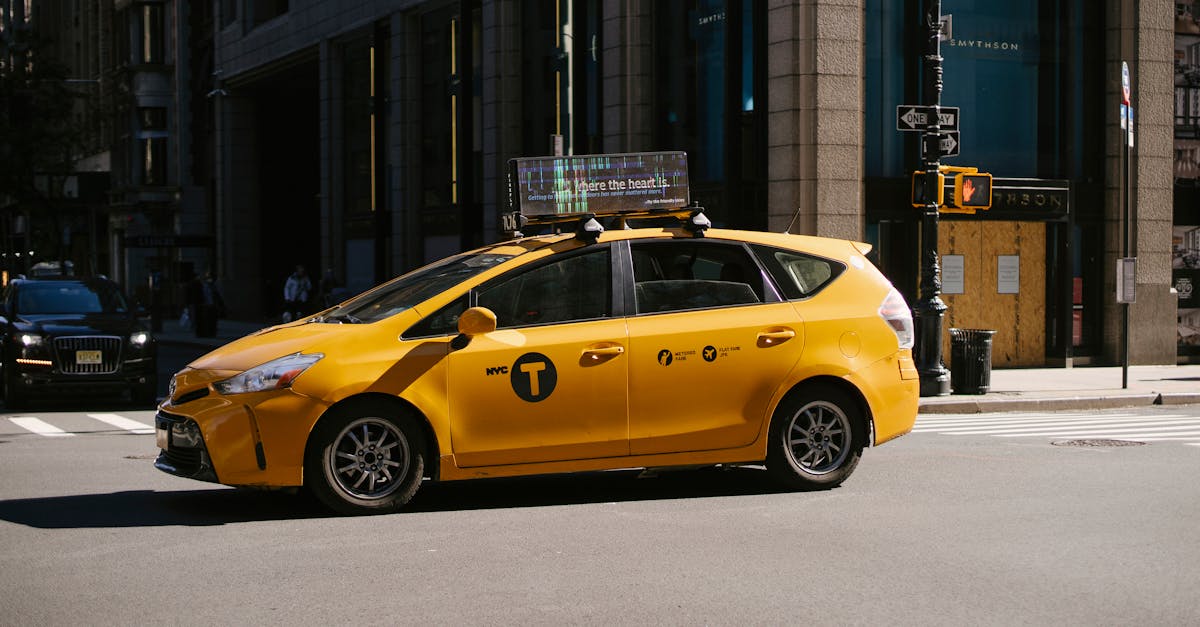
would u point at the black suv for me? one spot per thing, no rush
(65, 336)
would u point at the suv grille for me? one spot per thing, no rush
(69, 353)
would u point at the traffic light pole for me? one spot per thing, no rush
(929, 310)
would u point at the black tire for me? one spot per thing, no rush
(383, 460)
(817, 437)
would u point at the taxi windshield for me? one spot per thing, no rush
(411, 289)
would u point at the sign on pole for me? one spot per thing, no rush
(942, 144)
(917, 118)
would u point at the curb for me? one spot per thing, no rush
(1058, 403)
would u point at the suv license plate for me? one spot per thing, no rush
(88, 357)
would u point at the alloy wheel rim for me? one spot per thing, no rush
(818, 438)
(369, 458)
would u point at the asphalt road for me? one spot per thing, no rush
(932, 529)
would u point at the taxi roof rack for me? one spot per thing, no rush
(588, 226)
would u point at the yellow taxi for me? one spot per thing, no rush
(597, 349)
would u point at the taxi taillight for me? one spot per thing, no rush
(896, 313)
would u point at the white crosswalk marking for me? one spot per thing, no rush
(76, 424)
(1126, 426)
(39, 427)
(122, 422)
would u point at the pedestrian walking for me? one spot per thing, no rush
(295, 294)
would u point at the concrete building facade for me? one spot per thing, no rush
(362, 139)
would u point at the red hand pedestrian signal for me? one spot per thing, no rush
(973, 190)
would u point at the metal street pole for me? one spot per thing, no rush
(935, 379)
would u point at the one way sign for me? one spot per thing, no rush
(917, 117)
(936, 145)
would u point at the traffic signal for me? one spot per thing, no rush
(928, 188)
(973, 190)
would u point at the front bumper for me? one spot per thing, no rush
(182, 449)
(42, 381)
(254, 439)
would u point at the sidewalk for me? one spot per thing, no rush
(1079, 388)
(227, 331)
(1011, 389)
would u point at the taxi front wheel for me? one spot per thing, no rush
(367, 460)
(816, 440)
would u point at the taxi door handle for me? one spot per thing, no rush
(774, 336)
(603, 352)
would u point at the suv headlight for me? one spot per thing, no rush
(29, 339)
(276, 374)
(139, 338)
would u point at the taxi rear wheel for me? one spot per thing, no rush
(367, 461)
(817, 438)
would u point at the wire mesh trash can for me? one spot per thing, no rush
(971, 360)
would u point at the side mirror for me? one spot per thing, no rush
(476, 321)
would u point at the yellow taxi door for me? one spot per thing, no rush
(709, 345)
(551, 383)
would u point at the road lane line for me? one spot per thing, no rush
(39, 427)
(122, 422)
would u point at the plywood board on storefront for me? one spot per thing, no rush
(1019, 319)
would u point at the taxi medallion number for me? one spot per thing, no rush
(88, 357)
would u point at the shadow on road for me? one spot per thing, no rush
(149, 508)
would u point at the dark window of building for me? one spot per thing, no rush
(440, 219)
(229, 12)
(709, 73)
(121, 38)
(262, 11)
(545, 78)
(356, 124)
(451, 132)
(587, 58)
(1018, 71)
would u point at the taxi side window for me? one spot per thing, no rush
(676, 276)
(798, 275)
(567, 290)
(441, 322)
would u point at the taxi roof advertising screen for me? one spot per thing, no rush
(599, 184)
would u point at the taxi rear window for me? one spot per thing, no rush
(797, 274)
(413, 288)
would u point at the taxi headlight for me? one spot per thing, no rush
(276, 374)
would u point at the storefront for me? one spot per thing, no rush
(1030, 267)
